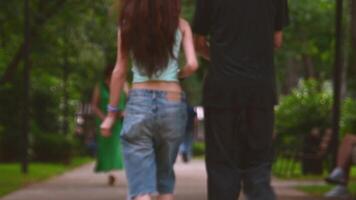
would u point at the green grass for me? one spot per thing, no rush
(198, 149)
(11, 178)
(320, 190)
(315, 190)
(295, 173)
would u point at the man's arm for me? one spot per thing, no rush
(281, 21)
(201, 27)
(278, 39)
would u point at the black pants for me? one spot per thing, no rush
(239, 152)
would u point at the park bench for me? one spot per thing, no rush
(312, 152)
(313, 162)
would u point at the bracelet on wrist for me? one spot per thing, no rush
(113, 109)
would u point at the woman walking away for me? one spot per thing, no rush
(151, 34)
(109, 153)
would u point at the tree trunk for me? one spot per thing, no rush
(353, 23)
(292, 76)
(353, 34)
(308, 67)
(12, 67)
(39, 22)
(65, 98)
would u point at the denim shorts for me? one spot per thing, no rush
(153, 129)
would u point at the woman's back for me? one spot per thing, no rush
(168, 74)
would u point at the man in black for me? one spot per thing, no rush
(239, 38)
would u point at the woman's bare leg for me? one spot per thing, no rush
(165, 197)
(144, 197)
(347, 173)
(111, 179)
(345, 152)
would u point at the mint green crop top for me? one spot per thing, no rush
(168, 74)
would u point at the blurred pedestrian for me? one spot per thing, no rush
(109, 152)
(186, 148)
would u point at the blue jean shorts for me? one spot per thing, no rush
(153, 129)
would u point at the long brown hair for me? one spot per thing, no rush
(148, 29)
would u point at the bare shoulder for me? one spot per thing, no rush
(184, 25)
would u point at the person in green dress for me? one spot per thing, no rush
(109, 153)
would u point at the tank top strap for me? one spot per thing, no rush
(170, 73)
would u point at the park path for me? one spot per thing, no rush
(83, 184)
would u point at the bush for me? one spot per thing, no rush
(199, 149)
(10, 146)
(1, 142)
(52, 148)
(1, 133)
(307, 107)
(348, 118)
(10, 120)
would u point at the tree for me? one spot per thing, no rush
(308, 44)
(353, 23)
(71, 41)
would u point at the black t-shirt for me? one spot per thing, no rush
(242, 47)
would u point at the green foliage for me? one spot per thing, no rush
(52, 148)
(10, 146)
(1, 140)
(199, 149)
(309, 35)
(307, 107)
(315, 190)
(348, 119)
(286, 168)
(70, 39)
(320, 190)
(46, 120)
(188, 9)
(308, 43)
(12, 179)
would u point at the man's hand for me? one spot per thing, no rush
(278, 39)
(107, 125)
(202, 46)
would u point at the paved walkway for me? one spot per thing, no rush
(83, 184)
